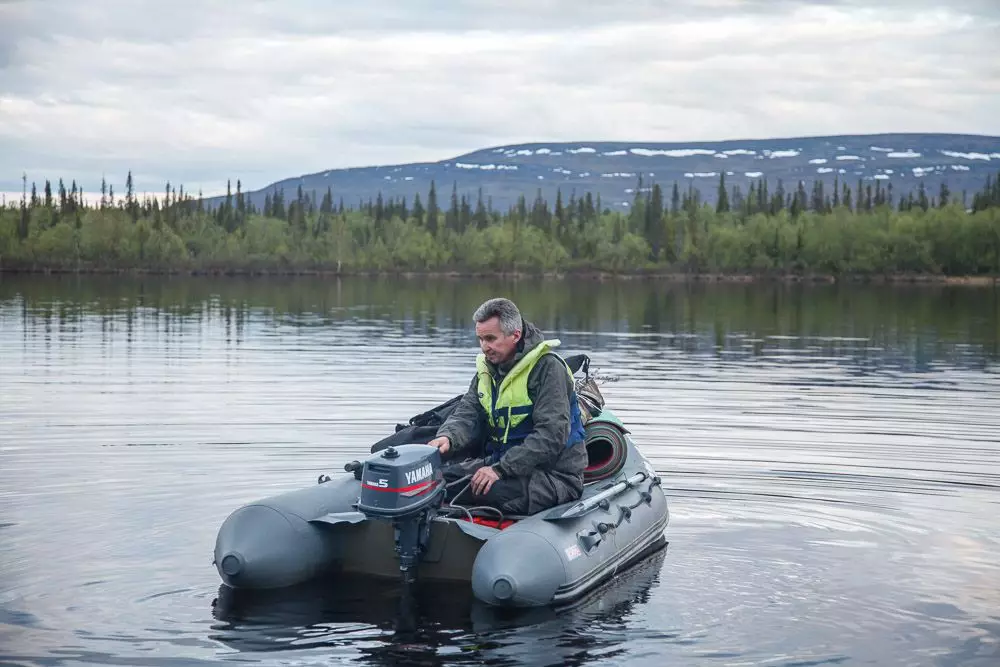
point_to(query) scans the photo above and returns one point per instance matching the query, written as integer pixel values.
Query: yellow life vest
(507, 404)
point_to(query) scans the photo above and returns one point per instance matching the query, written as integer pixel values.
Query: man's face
(495, 344)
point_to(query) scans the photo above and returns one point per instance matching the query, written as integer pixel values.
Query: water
(830, 455)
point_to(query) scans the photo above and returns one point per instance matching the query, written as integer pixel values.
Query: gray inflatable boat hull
(550, 558)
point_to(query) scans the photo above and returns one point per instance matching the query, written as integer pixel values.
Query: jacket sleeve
(549, 391)
(465, 425)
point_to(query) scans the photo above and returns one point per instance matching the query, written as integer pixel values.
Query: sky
(196, 92)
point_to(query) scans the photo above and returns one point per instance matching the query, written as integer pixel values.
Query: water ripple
(833, 495)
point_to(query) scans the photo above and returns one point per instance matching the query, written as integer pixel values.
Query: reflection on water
(431, 623)
(830, 455)
(909, 324)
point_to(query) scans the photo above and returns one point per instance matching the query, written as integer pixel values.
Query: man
(522, 411)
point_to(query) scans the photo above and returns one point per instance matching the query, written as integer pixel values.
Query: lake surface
(830, 456)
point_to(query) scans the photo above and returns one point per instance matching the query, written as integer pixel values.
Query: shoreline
(581, 274)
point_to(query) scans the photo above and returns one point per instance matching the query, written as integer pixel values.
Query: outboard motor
(405, 485)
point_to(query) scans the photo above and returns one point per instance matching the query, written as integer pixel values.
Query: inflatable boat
(386, 516)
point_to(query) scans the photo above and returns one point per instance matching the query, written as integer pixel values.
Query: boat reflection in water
(385, 621)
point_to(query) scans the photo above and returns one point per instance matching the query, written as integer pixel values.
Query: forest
(860, 229)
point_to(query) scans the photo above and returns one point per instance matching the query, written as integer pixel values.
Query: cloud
(199, 92)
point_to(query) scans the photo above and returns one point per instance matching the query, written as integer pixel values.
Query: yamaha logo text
(417, 474)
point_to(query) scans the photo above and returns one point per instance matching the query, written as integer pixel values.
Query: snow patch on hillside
(970, 156)
(676, 152)
(782, 153)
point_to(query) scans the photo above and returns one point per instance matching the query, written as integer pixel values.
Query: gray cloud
(197, 92)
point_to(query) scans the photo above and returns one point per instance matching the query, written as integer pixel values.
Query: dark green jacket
(551, 472)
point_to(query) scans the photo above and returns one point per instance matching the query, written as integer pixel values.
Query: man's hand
(483, 480)
(442, 443)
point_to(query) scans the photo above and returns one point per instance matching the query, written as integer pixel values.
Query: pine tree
(480, 215)
(654, 222)
(451, 215)
(560, 215)
(130, 202)
(432, 210)
(241, 206)
(817, 196)
(226, 214)
(796, 204)
(22, 227)
(418, 211)
(778, 201)
(540, 216)
(722, 205)
(464, 215)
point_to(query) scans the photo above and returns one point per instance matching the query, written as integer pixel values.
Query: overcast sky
(196, 91)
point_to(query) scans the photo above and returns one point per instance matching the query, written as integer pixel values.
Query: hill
(613, 169)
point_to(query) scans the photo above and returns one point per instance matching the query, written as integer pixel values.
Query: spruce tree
(654, 222)
(722, 205)
(432, 210)
(480, 215)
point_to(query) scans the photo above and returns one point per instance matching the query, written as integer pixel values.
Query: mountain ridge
(612, 169)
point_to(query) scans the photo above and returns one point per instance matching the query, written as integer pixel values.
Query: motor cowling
(400, 481)
(405, 485)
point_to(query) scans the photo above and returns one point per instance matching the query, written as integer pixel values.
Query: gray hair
(510, 316)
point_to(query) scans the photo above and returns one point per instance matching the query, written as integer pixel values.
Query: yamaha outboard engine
(405, 485)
